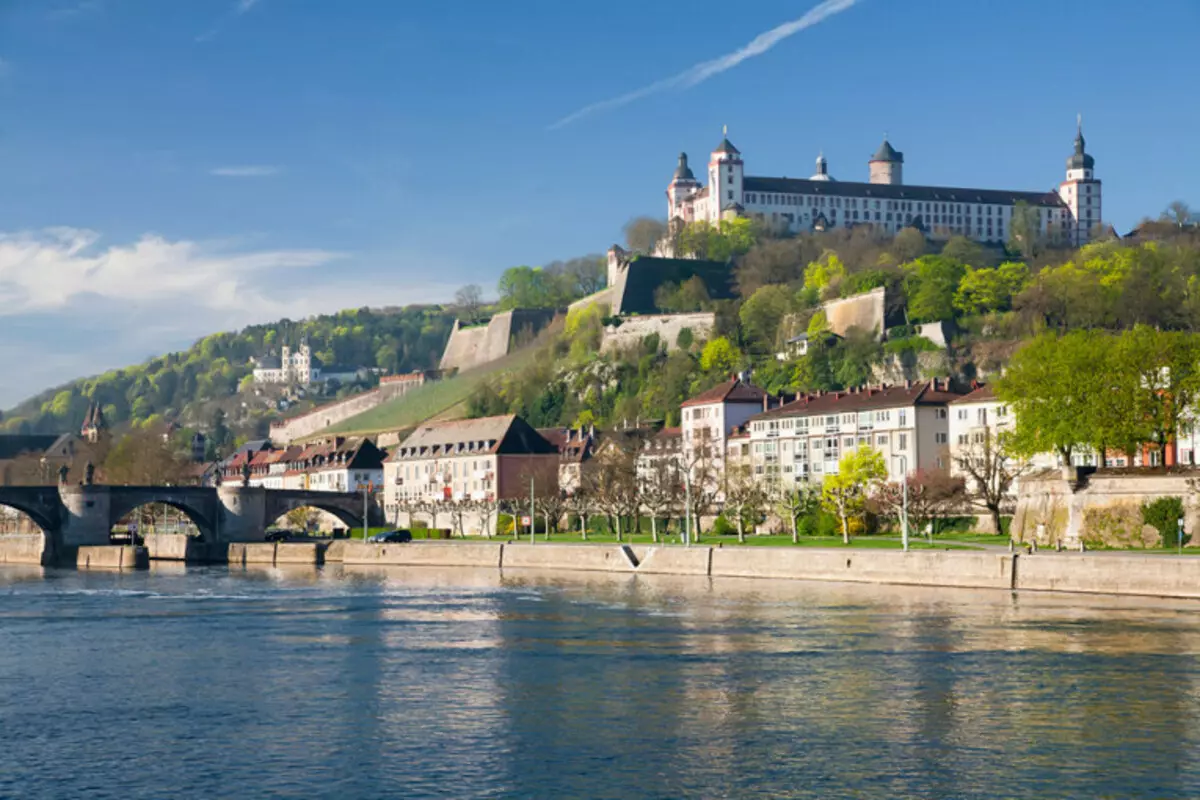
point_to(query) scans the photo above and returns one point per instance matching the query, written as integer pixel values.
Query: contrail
(703, 71)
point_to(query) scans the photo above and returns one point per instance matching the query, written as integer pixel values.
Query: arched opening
(132, 526)
(314, 521)
(22, 535)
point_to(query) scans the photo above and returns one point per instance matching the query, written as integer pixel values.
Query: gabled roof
(924, 393)
(888, 153)
(501, 435)
(574, 446)
(983, 394)
(15, 445)
(731, 391)
(726, 146)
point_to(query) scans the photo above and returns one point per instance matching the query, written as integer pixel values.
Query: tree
(774, 261)
(930, 283)
(1025, 230)
(762, 314)
(469, 298)
(551, 505)
(642, 234)
(1179, 214)
(990, 472)
(720, 242)
(909, 244)
(845, 492)
(744, 496)
(143, 458)
(702, 487)
(720, 356)
(615, 485)
(966, 251)
(991, 289)
(796, 502)
(681, 298)
(302, 519)
(661, 490)
(825, 273)
(589, 273)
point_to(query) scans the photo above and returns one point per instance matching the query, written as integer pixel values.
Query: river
(342, 683)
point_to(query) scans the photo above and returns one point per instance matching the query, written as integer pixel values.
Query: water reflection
(370, 682)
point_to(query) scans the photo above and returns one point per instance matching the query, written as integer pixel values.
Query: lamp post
(903, 500)
(687, 506)
(1180, 535)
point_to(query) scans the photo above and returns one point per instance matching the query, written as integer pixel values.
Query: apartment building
(803, 440)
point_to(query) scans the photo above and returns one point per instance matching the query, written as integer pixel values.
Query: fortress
(820, 202)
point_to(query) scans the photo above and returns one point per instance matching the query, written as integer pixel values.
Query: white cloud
(246, 171)
(45, 270)
(244, 5)
(701, 72)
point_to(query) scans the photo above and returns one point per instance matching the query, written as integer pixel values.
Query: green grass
(429, 400)
(865, 542)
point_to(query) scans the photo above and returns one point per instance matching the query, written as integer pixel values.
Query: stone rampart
(867, 311)
(318, 419)
(310, 553)
(675, 560)
(472, 347)
(977, 570)
(567, 556)
(424, 554)
(1107, 573)
(632, 330)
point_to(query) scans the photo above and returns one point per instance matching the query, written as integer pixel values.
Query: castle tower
(683, 185)
(94, 423)
(304, 372)
(1081, 191)
(887, 165)
(822, 173)
(725, 174)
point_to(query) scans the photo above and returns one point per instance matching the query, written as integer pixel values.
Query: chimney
(766, 401)
(907, 384)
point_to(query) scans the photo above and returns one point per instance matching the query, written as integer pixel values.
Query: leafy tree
(845, 492)
(854, 356)
(720, 356)
(909, 244)
(798, 501)
(774, 261)
(989, 289)
(762, 313)
(930, 284)
(824, 273)
(720, 242)
(682, 298)
(966, 251)
(1025, 230)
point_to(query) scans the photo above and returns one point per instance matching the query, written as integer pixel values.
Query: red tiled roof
(731, 391)
(983, 394)
(865, 398)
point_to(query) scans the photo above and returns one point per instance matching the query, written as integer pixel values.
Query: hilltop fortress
(884, 201)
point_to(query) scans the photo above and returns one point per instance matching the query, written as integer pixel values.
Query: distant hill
(199, 387)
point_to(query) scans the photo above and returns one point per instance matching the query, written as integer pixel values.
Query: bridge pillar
(86, 516)
(242, 514)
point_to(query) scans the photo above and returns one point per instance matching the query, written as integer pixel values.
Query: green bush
(818, 524)
(723, 527)
(1163, 515)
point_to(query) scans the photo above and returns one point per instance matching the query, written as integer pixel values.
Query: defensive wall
(866, 311)
(632, 330)
(482, 344)
(1101, 508)
(318, 419)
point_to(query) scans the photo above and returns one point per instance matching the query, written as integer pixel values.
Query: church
(1068, 213)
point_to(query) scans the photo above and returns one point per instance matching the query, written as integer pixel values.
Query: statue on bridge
(62, 475)
(246, 473)
(89, 474)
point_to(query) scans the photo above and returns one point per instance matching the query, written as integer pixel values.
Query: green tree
(1025, 230)
(930, 284)
(762, 313)
(991, 289)
(720, 356)
(845, 493)
(824, 273)
(643, 233)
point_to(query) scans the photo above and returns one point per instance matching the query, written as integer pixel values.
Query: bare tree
(488, 510)
(744, 496)
(643, 233)
(796, 502)
(551, 505)
(581, 501)
(616, 485)
(702, 487)
(469, 298)
(990, 473)
(932, 494)
(661, 490)
(1179, 214)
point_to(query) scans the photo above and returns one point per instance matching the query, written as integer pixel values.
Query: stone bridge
(75, 516)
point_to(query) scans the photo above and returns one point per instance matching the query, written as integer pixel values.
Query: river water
(212, 683)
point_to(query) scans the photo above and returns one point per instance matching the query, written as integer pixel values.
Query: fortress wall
(321, 417)
(604, 297)
(468, 348)
(865, 311)
(632, 330)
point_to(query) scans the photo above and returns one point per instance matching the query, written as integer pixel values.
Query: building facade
(292, 366)
(804, 440)
(1069, 212)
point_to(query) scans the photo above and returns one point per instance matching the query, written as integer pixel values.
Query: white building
(291, 367)
(884, 201)
(804, 440)
(710, 417)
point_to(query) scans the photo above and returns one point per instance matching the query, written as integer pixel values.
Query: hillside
(199, 387)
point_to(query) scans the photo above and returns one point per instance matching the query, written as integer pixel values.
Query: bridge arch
(345, 508)
(196, 513)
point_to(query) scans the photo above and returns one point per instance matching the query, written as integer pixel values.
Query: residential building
(804, 440)
(575, 446)
(292, 366)
(884, 201)
(486, 460)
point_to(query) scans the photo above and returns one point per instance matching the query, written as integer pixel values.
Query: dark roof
(731, 391)
(889, 191)
(982, 394)
(863, 399)
(14, 445)
(683, 172)
(269, 362)
(647, 273)
(572, 445)
(888, 153)
(726, 146)
(1080, 159)
(502, 435)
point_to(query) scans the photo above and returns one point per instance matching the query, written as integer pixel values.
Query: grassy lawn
(866, 542)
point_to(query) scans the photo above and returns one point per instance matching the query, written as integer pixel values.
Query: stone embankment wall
(24, 549)
(321, 417)
(632, 330)
(865, 311)
(1100, 509)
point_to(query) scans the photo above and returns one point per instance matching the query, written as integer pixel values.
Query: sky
(172, 169)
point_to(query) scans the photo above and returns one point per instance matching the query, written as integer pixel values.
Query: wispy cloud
(239, 8)
(246, 171)
(75, 10)
(701, 72)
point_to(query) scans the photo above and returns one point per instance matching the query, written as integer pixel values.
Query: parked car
(278, 535)
(391, 537)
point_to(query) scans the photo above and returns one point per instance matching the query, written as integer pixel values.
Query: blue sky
(174, 168)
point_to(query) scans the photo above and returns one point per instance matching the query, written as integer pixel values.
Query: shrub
(1163, 515)
(821, 523)
(723, 527)
(685, 339)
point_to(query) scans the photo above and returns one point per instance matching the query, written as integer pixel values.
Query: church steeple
(1080, 160)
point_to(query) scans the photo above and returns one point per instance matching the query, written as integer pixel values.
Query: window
(962, 438)
(903, 417)
(881, 440)
(941, 413)
(902, 444)
(962, 413)
(940, 438)
(848, 442)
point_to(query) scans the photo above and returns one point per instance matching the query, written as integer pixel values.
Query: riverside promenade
(1153, 575)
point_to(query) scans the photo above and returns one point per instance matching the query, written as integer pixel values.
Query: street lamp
(903, 499)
